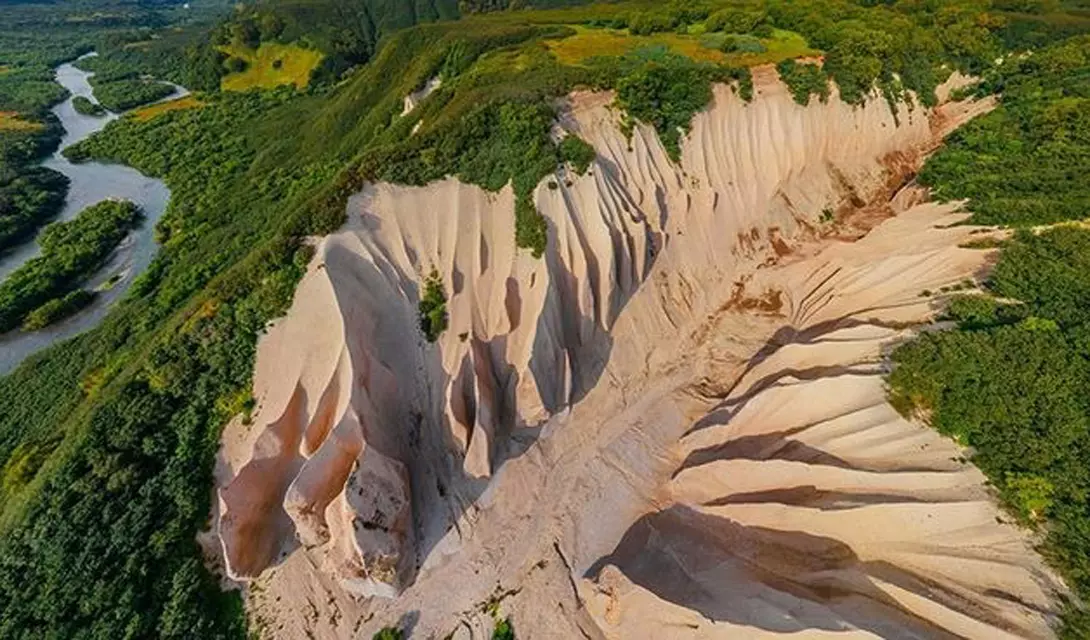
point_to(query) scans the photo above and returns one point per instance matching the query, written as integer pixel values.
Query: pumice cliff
(673, 424)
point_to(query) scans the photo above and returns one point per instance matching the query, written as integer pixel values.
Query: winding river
(91, 182)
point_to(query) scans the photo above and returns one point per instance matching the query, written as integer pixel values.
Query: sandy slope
(673, 425)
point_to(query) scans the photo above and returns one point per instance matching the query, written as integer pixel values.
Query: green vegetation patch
(503, 630)
(804, 81)
(667, 93)
(1013, 383)
(84, 105)
(124, 94)
(1025, 163)
(433, 307)
(272, 64)
(71, 251)
(28, 198)
(58, 309)
(577, 152)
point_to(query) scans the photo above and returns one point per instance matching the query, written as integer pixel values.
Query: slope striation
(672, 425)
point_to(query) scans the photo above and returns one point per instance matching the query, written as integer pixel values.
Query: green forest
(108, 440)
(1013, 381)
(71, 252)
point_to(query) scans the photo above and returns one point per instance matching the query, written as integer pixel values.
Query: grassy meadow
(270, 65)
(10, 121)
(589, 42)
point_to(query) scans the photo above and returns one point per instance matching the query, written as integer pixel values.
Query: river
(91, 182)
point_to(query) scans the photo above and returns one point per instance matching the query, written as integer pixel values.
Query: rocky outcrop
(672, 425)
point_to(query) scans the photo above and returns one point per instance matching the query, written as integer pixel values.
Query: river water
(91, 182)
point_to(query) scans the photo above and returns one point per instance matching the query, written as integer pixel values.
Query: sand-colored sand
(672, 425)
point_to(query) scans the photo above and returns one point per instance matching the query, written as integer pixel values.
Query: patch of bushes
(433, 307)
(503, 630)
(736, 20)
(84, 106)
(71, 251)
(58, 309)
(667, 93)
(577, 152)
(804, 81)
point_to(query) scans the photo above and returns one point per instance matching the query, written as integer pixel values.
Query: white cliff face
(672, 425)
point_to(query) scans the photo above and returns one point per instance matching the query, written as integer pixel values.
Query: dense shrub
(86, 107)
(1025, 163)
(735, 20)
(503, 630)
(29, 196)
(576, 152)
(433, 307)
(667, 93)
(57, 309)
(804, 80)
(71, 251)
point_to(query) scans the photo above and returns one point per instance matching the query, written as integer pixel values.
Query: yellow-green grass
(149, 112)
(4, 69)
(296, 65)
(781, 45)
(10, 121)
(588, 42)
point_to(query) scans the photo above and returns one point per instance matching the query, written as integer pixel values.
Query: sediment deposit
(672, 425)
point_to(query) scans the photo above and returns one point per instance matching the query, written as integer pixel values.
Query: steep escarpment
(672, 425)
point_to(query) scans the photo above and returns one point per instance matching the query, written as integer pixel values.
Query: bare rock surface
(673, 425)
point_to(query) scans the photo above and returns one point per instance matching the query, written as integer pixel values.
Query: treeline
(71, 251)
(28, 198)
(1026, 162)
(29, 194)
(668, 92)
(122, 95)
(1013, 381)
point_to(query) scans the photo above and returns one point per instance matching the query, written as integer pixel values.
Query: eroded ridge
(673, 425)
(803, 501)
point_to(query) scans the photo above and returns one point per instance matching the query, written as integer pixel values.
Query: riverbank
(90, 182)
